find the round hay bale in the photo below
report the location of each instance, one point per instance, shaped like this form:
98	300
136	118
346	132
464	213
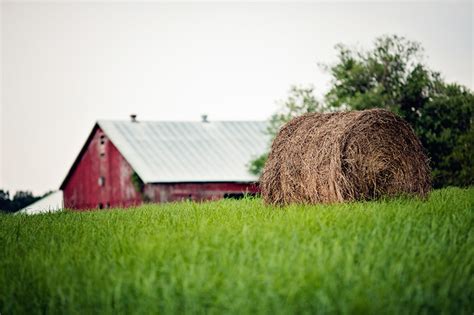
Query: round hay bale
344	156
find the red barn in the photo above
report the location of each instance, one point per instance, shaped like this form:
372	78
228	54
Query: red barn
125	163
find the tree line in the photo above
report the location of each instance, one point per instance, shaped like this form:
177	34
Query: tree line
18	201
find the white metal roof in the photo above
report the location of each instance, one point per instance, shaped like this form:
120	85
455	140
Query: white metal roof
216	151
51	203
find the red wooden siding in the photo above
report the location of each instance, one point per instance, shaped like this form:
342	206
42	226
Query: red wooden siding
197	191
101	159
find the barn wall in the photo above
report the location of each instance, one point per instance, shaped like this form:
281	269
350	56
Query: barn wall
197	191
100	158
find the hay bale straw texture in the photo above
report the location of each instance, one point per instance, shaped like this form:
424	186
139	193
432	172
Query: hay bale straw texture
344	156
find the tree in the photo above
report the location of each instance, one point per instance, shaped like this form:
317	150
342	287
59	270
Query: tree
378	77
392	75
4	200
300	100
445	126
20	200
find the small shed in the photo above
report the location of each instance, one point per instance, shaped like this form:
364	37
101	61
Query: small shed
52	202
126	163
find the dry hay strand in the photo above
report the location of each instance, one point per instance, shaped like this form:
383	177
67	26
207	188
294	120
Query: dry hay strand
344	156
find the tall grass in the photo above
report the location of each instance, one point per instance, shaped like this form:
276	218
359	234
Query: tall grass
238	256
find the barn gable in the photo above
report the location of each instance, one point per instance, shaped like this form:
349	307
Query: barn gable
100	176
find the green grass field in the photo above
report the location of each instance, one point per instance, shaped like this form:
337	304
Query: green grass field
238	256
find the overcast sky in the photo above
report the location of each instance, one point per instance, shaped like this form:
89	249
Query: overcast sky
66	65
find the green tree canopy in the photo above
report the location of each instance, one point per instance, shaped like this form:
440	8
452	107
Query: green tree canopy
393	75
20	200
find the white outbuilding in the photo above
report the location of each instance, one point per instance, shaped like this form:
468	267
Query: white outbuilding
51	203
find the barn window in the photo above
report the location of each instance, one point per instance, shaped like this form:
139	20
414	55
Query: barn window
102	145
100	206
101	181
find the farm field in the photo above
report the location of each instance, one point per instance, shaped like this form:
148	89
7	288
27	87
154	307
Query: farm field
239	257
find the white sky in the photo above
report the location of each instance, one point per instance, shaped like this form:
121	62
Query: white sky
66	65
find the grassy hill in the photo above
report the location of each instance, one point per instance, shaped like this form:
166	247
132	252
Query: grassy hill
238	256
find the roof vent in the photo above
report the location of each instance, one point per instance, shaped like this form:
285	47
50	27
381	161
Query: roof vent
204	119
133	118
